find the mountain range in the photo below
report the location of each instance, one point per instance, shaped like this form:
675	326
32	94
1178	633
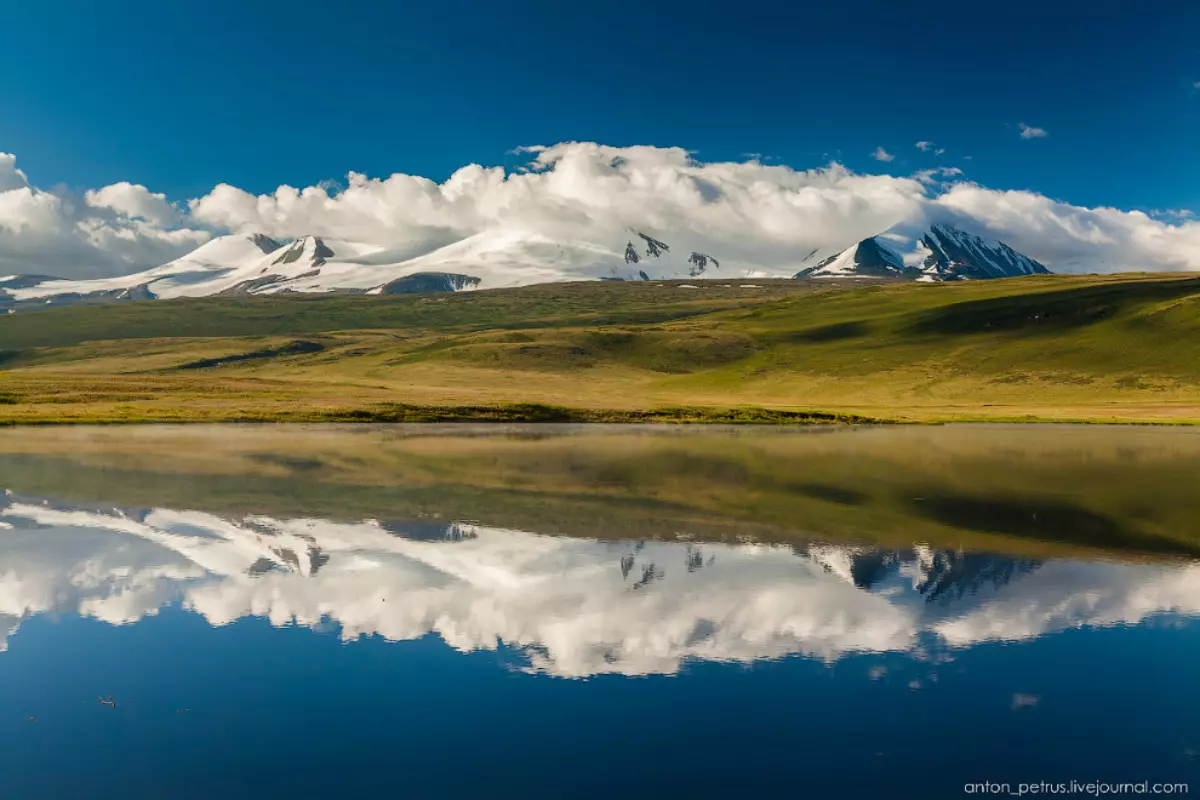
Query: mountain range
250	264
943	253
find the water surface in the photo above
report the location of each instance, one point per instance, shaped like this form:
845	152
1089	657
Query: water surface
435	611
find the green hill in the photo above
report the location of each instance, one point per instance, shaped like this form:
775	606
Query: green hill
1114	348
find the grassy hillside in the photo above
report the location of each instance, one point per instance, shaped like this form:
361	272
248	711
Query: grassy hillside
1050	348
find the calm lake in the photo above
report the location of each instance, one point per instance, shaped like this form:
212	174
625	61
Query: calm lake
574	611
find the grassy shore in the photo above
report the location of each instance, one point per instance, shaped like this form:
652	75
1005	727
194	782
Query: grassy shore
1053	348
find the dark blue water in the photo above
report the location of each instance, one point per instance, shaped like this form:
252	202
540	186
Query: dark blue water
285	712
267	655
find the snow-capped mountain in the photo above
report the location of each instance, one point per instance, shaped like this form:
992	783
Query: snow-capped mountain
257	264
951	254
871	257
656	254
943	253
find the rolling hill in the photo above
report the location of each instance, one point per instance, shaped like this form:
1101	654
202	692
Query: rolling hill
1041	347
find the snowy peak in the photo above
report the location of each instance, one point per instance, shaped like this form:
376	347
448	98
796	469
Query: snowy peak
700	262
264	242
190	275
654	247
657	250
869	258
23	281
253	263
221	251
943	253
951	254
307	250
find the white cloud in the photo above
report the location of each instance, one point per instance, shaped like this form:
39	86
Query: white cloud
1172	213
1022	700
1030	132
133	201
1075	238
923	146
930	175
757	213
766	216
109	231
882	155
939	151
10	177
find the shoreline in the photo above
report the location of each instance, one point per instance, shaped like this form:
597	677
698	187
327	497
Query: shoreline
539	413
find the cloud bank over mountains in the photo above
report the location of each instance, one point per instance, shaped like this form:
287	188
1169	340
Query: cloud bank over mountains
114	230
752	212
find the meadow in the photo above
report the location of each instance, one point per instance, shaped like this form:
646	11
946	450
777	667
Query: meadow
1048	348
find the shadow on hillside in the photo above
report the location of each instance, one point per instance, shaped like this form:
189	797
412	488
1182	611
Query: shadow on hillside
833	333
1050	311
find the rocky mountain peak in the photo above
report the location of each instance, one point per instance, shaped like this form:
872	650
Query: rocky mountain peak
943	253
312	247
264	242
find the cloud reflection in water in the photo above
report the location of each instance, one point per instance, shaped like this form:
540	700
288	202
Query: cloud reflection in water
577	607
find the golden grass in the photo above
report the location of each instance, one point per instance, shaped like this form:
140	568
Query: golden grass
1049	349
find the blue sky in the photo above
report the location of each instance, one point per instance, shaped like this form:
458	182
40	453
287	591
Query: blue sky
180	96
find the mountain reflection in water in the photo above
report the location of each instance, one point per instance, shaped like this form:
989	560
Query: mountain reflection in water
595	611
574	607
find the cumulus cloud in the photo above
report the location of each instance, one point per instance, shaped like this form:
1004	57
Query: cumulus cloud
1074	238
108	231
11	178
882	155
924	146
1030	132
133	201
750	214
754	213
